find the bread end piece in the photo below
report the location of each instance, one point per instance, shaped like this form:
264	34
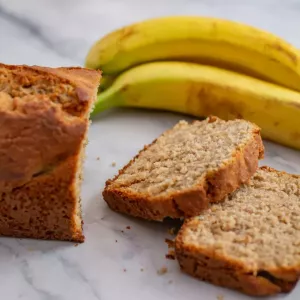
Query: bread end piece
212	262
189	202
45	111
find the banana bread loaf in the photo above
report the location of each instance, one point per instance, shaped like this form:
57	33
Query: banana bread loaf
44	118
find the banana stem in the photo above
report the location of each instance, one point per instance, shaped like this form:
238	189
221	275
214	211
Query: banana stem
105	100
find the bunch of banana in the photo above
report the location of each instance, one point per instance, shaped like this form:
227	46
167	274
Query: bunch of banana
203	66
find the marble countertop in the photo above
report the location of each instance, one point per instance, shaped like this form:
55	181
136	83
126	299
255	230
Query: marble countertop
115	262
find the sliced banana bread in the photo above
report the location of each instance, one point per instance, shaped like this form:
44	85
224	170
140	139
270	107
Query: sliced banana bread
251	241
44	118
186	168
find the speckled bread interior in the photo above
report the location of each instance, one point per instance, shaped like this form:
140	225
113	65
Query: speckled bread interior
186	168
250	242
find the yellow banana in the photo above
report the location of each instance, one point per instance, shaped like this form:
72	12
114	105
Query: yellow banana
209	41
201	90
106	82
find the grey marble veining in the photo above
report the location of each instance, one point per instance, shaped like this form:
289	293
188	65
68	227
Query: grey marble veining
114	262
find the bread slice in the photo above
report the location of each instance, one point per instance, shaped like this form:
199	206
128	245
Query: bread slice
44	118
250	242
186	168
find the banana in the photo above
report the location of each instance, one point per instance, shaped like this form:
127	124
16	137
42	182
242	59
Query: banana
106	82
201	90
209	41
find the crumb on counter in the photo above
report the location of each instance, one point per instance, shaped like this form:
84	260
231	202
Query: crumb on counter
98	158
220	297
116	241
142	270
128	227
113	164
75	245
124	270
170	281
162	271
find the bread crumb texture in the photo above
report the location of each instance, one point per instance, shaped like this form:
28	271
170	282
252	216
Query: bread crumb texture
258	226
162	271
181	156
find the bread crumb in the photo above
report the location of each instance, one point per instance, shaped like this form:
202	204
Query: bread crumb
170	281
124	270
75	245
212	119
162	271
113	164
172	231
171	255
98	158
116	241
128	227
122	231
220	297
142	270
171	244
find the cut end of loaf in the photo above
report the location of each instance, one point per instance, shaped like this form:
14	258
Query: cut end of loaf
186	168
250	242
79	174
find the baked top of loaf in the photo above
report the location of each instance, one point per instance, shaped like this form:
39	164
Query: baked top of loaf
212	155
44	118
71	88
257	228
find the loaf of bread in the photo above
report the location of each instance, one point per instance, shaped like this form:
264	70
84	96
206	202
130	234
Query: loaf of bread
44	118
251	241
186	168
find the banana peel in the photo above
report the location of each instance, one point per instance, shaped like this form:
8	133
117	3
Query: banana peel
210	41
200	90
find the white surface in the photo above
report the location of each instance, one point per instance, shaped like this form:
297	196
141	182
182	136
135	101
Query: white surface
59	32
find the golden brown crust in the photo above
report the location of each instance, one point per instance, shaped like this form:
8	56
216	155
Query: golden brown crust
221	270
70	87
43	124
34	136
189	202
208	268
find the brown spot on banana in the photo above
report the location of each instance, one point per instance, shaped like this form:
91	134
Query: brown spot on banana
291	56
295	136
130	94
124	34
124	88
127	32
295	104
205	100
